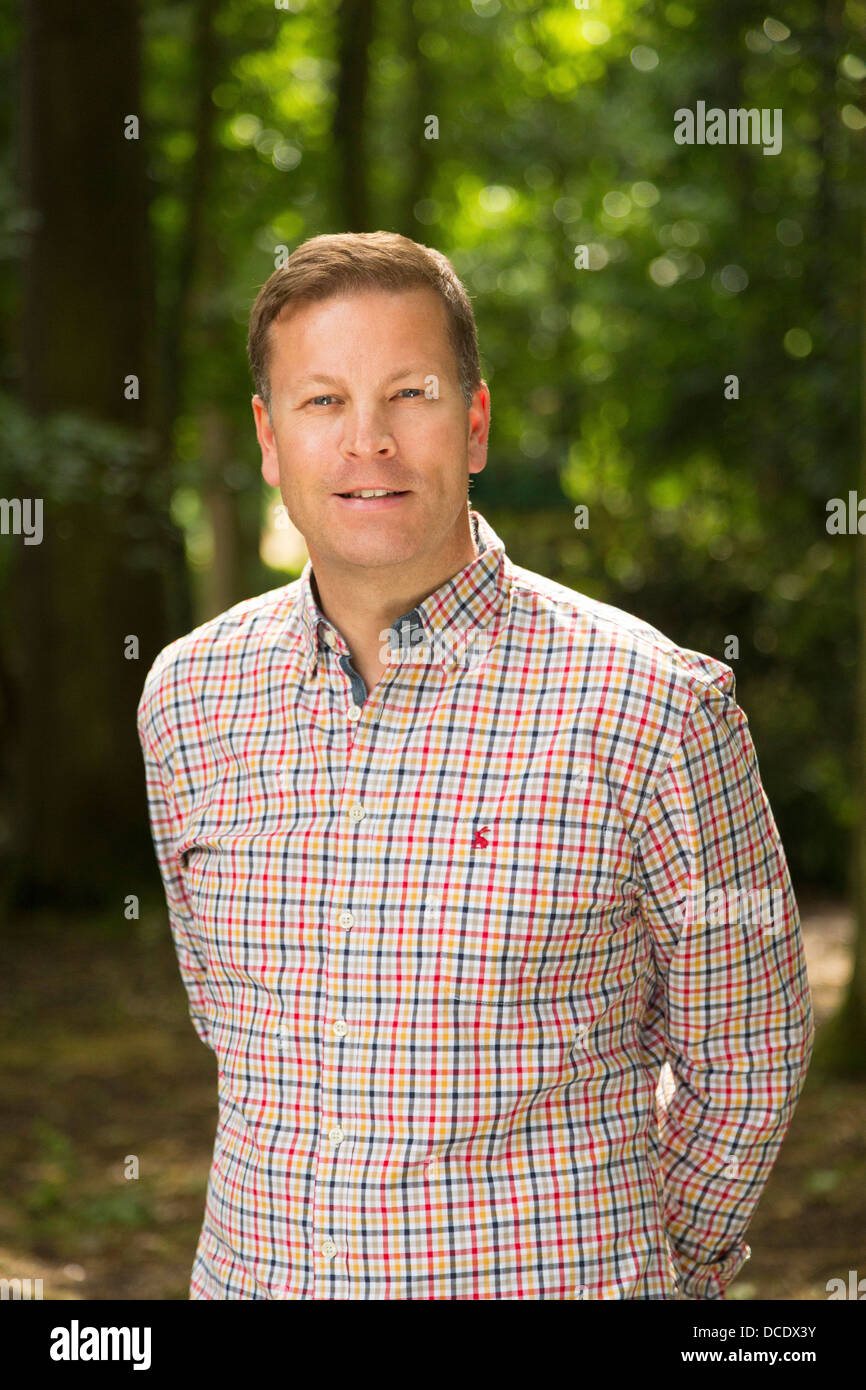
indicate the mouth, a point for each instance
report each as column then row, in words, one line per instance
column 371, row 499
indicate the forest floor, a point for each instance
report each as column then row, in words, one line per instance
column 102, row 1070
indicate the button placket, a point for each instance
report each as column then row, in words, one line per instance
column 355, row 813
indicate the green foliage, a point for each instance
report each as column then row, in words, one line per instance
column 67, row 457
column 61, row 1203
column 707, row 515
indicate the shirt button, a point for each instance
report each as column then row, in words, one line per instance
column 341, row 1028
column 329, row 638
column 329, row 1249
column 336, row 1135
column 732, row 1171
column 582, row 1032
column 346, row 919
column 282, row 1035
column 353, row 712
column 357, row 812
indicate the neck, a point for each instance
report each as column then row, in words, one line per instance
column 362, row 603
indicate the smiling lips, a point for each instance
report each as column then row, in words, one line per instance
column 372, row 492
column 371, row 499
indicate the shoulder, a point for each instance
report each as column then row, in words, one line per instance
column 243, row 631
column 626, row 646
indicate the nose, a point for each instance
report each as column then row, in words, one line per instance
column 367, row 434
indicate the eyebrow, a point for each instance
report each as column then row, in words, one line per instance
column 326, row 380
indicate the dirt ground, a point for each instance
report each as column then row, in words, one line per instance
column 102, row 1071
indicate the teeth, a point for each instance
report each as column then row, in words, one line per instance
column 372, row 492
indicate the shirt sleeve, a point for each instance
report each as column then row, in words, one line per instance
column 187, row 942
column 732, row 995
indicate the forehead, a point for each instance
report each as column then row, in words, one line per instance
column 362, row 328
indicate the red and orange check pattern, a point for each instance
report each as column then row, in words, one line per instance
column 470, row 1042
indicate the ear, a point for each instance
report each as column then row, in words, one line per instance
column 267, row 442
column 479, row 428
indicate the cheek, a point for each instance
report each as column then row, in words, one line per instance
column 301, row 455
column 435, row 440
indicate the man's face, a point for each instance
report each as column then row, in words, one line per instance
column 364, row 395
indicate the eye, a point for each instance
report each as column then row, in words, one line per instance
column 313, row 399
column 416, row 389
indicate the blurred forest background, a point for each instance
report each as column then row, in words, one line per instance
column 158, row 160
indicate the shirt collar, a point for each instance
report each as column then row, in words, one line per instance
column 456, row 623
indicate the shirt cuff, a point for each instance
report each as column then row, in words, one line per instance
column 710, row 1281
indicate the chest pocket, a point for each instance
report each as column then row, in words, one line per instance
column 524, row 909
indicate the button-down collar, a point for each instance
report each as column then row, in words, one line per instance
column 473, row 601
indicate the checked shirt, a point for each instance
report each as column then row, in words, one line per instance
column 501, row 962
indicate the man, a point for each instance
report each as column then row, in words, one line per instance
column 476, row 893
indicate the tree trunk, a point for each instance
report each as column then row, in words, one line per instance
column 421, row 102
column 355, row 23
column 95, row 581
column 840, row 1049
column 225, row 579
column 856, row 1002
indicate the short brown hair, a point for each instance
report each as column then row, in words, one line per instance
column 328, row 266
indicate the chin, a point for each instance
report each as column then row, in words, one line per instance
column 377, row 553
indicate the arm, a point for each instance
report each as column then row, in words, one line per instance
column 190, row 955
column 734, row 1000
